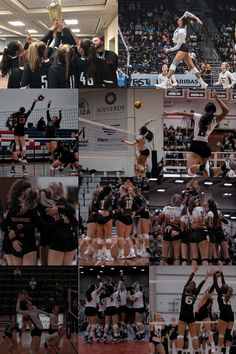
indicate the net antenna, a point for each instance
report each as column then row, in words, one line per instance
column 127, row 51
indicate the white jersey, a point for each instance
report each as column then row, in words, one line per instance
column 112, row 300
column 101, row 305
column 202, row 136
column 157, row 333
column 171, row 82
column 123, row 298
column 209, row 215
column 184, row 219
column 32, row 314
column 179, row 38
column 54, row 321
column 197, row 215
column 138, row 300
column 94, row 301
column 172, row 214
column 226, row 79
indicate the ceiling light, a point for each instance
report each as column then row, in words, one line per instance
column 142, row 270
column 16, row 23
column 32, row 31
column 207, row 183
column 227, row 215
column 71, row 22
column 161, row 190
column 179, row 181
column 77, row 30
column 101, row 271
column 228, row 184
column 233, row 217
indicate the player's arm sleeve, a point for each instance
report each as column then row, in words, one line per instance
column 30, row 110
column 67, row 37
column 190, row 278
column 200, row 286
column 48, row 37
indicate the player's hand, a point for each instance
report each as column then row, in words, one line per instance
column 17, row 246
column 167, row 50
column 54, row 25
column 199, row 22
column 165, row 113
column 214, row 94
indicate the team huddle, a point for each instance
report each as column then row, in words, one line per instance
column 128, row 209
column 59, row 60
column 38, row 221
column 196, row 318
column 192, row 230
column 111, row 308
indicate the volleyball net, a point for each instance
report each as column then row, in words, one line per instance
column 104, row 139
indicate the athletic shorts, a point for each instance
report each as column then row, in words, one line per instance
column 187, row 318
column 201, row 315
column 70, row 159
column 19, row 132
column 198, row 235
column 145, row 152
column 28, row 245
column 227, row 316
column 125, row 219
column 100, row 315
column 111, row 311
column 139, row 310
column 102, row 220
column 219, row 235
column 200, row 148
column 92, row 218
column 90, row 311
column 167, row 235
column 144, row 215
column 44, row 239
column 184, row 48
column 52, row 331
column 122, row 309
column 153, row 341
column 185, row 237
column 63, row 240
column 36, row 332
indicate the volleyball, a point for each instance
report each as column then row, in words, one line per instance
column 40, row 97
column 138, row 104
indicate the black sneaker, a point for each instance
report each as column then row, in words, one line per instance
column 24, row 170
column 105, row 340
column 141, row 336
column 86, row 339
column 13, row 171
column 136, row 337
column 90, row 340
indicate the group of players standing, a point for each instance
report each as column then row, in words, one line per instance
column 192, row 230
column 129, row 210
column 201, row 317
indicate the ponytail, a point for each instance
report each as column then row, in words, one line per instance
column 64, row 56
column 35, row 55
column 9, row 53
column 89, row 52
column 207, row 118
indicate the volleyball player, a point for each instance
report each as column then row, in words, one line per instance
column 91, row 298
column 161, row 77
column 122, row 301
column 20, row 118
column 139, row 308
column 111, row 311
column 186, row 318
column 53, row 123
column 10, row 57
column 199, row 239
column 173, row 334
column 15, row 159
column 226, row 78
column 182, row 50
column 204, row 124
column 124, row 220
column 104, row 223
column 62, row 157
column 63, row 235
column 52, row 342
column 204, row 316
column 142, row 152
column 35, row 74
column 226, row 318
column 170, row 219
column 142, row 212
column 156, row 335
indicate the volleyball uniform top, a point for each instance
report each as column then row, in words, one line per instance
column 32, row 315
column 138, row 300
column 179, row 38
column 66, row 209
column 106, row 203
column 141, row 143
column 112, row 300
column 173, row 331
column 184, row 219
column 197, row 216
column 15, row 78
column 52, row 126
column 82, row 79
column 108, row 65
column 92, row 211
column 21, row 119
column 188, row 300
column 202, row 135
column 94, row 301
column 36, row 79
column 172, row 215
column 225, row 307
column 122, row 297
column 156, row 334
column 226, row 79
column 125, row 205
column 101, row 304
column 57, row 77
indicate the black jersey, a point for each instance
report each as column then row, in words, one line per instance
column 57, row 77
column 108, row 67
column 140, row 205
column 125, row 205
column 188, row 300
column 82, row 79
column 20, row 120
column 173, row 331
column 15, row 78
column 106, row 203
column 65, row 209
column 52, row 126
column 36, row 79
column 92, row 211
column 226, row 313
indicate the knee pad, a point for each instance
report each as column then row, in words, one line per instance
column 88, row 239
column 23, row 147
column 194, row 70
column 108, row 240
column 146, row 237
column 114, row 326
column 100, row 241
column 138, row 323
column 204, row 259
column 180, row 337
column 93, row 327
column 195, row 259
column 140, row 237
column 177, row 258
column 228, row 335
column 190, row 173
column 165, row 259
column 17, row 146
column 194, row 338
column 140, row 168
column 221, row 336
column 174, row 64
column 106, row 327
column 184, row 260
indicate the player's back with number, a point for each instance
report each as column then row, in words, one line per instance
column 36, row 79
column 83, row 78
